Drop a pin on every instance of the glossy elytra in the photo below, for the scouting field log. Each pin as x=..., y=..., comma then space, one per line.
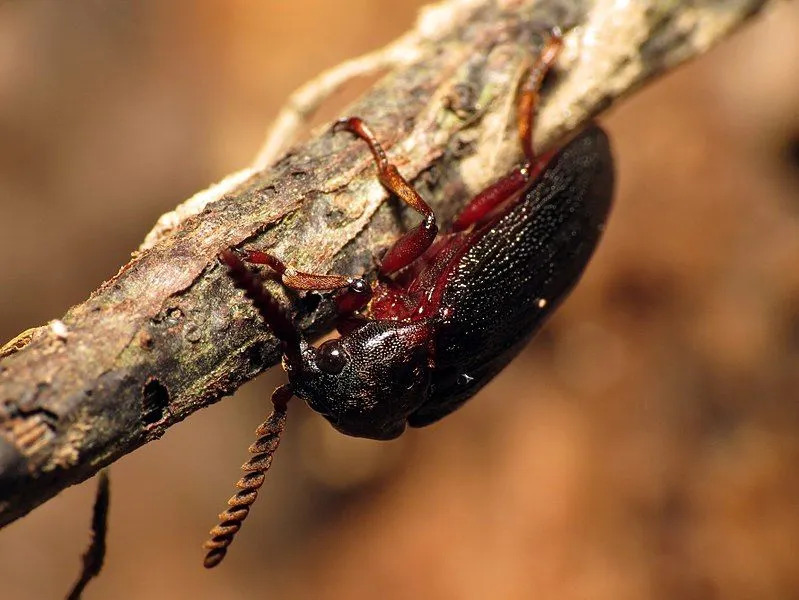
x=448, y=311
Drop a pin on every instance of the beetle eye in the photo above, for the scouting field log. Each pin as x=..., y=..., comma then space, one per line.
x=331, y=358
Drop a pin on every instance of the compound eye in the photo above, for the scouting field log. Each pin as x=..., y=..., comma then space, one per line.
x=331, y=358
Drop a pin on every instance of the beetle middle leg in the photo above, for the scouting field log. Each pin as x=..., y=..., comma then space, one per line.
x=414, y=243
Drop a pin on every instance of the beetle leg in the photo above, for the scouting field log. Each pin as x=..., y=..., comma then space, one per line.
x=268, y=307
x=491, y=197
x=297, y=280
x=355, y=291
x=505, y=188
x=528, y=101
x=413, y=244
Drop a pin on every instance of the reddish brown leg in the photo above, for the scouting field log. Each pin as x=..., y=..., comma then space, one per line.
x=528, y=101
x=494, y=195
x=505, y=188
x=413, y=244
x=355, y=291
x=272, y=312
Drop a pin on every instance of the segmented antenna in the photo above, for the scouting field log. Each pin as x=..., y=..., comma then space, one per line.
x=268, y=307
x=268, y=438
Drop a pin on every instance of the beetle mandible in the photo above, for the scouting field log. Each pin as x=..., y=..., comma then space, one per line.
x=447, y=312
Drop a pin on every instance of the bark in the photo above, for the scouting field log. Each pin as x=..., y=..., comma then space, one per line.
x=168, y=334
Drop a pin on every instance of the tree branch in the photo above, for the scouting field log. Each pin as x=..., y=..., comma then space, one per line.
x=168, y=334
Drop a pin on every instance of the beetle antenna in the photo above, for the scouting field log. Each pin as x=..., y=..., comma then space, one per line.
x=263, y=449
x=265, y=303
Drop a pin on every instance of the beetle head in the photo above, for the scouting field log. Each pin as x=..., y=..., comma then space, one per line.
x=367, y=382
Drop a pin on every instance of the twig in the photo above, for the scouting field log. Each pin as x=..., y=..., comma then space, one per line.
x=168, y=334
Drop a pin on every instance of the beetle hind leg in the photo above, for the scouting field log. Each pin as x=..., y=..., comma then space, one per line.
x=504, y=189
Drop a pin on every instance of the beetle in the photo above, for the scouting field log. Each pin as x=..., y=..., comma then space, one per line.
x=447, y=312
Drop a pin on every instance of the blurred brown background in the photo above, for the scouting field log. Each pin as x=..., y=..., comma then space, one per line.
x=643, y=446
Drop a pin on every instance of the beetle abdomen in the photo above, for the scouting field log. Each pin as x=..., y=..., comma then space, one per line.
x=521, y=266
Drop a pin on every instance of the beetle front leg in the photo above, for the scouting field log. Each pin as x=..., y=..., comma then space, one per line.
x=414, y=243
x=355, y=291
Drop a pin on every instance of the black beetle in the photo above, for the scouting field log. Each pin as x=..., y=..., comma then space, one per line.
x=447, y=312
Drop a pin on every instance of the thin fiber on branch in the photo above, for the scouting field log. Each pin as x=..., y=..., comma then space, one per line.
x=168, y=334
